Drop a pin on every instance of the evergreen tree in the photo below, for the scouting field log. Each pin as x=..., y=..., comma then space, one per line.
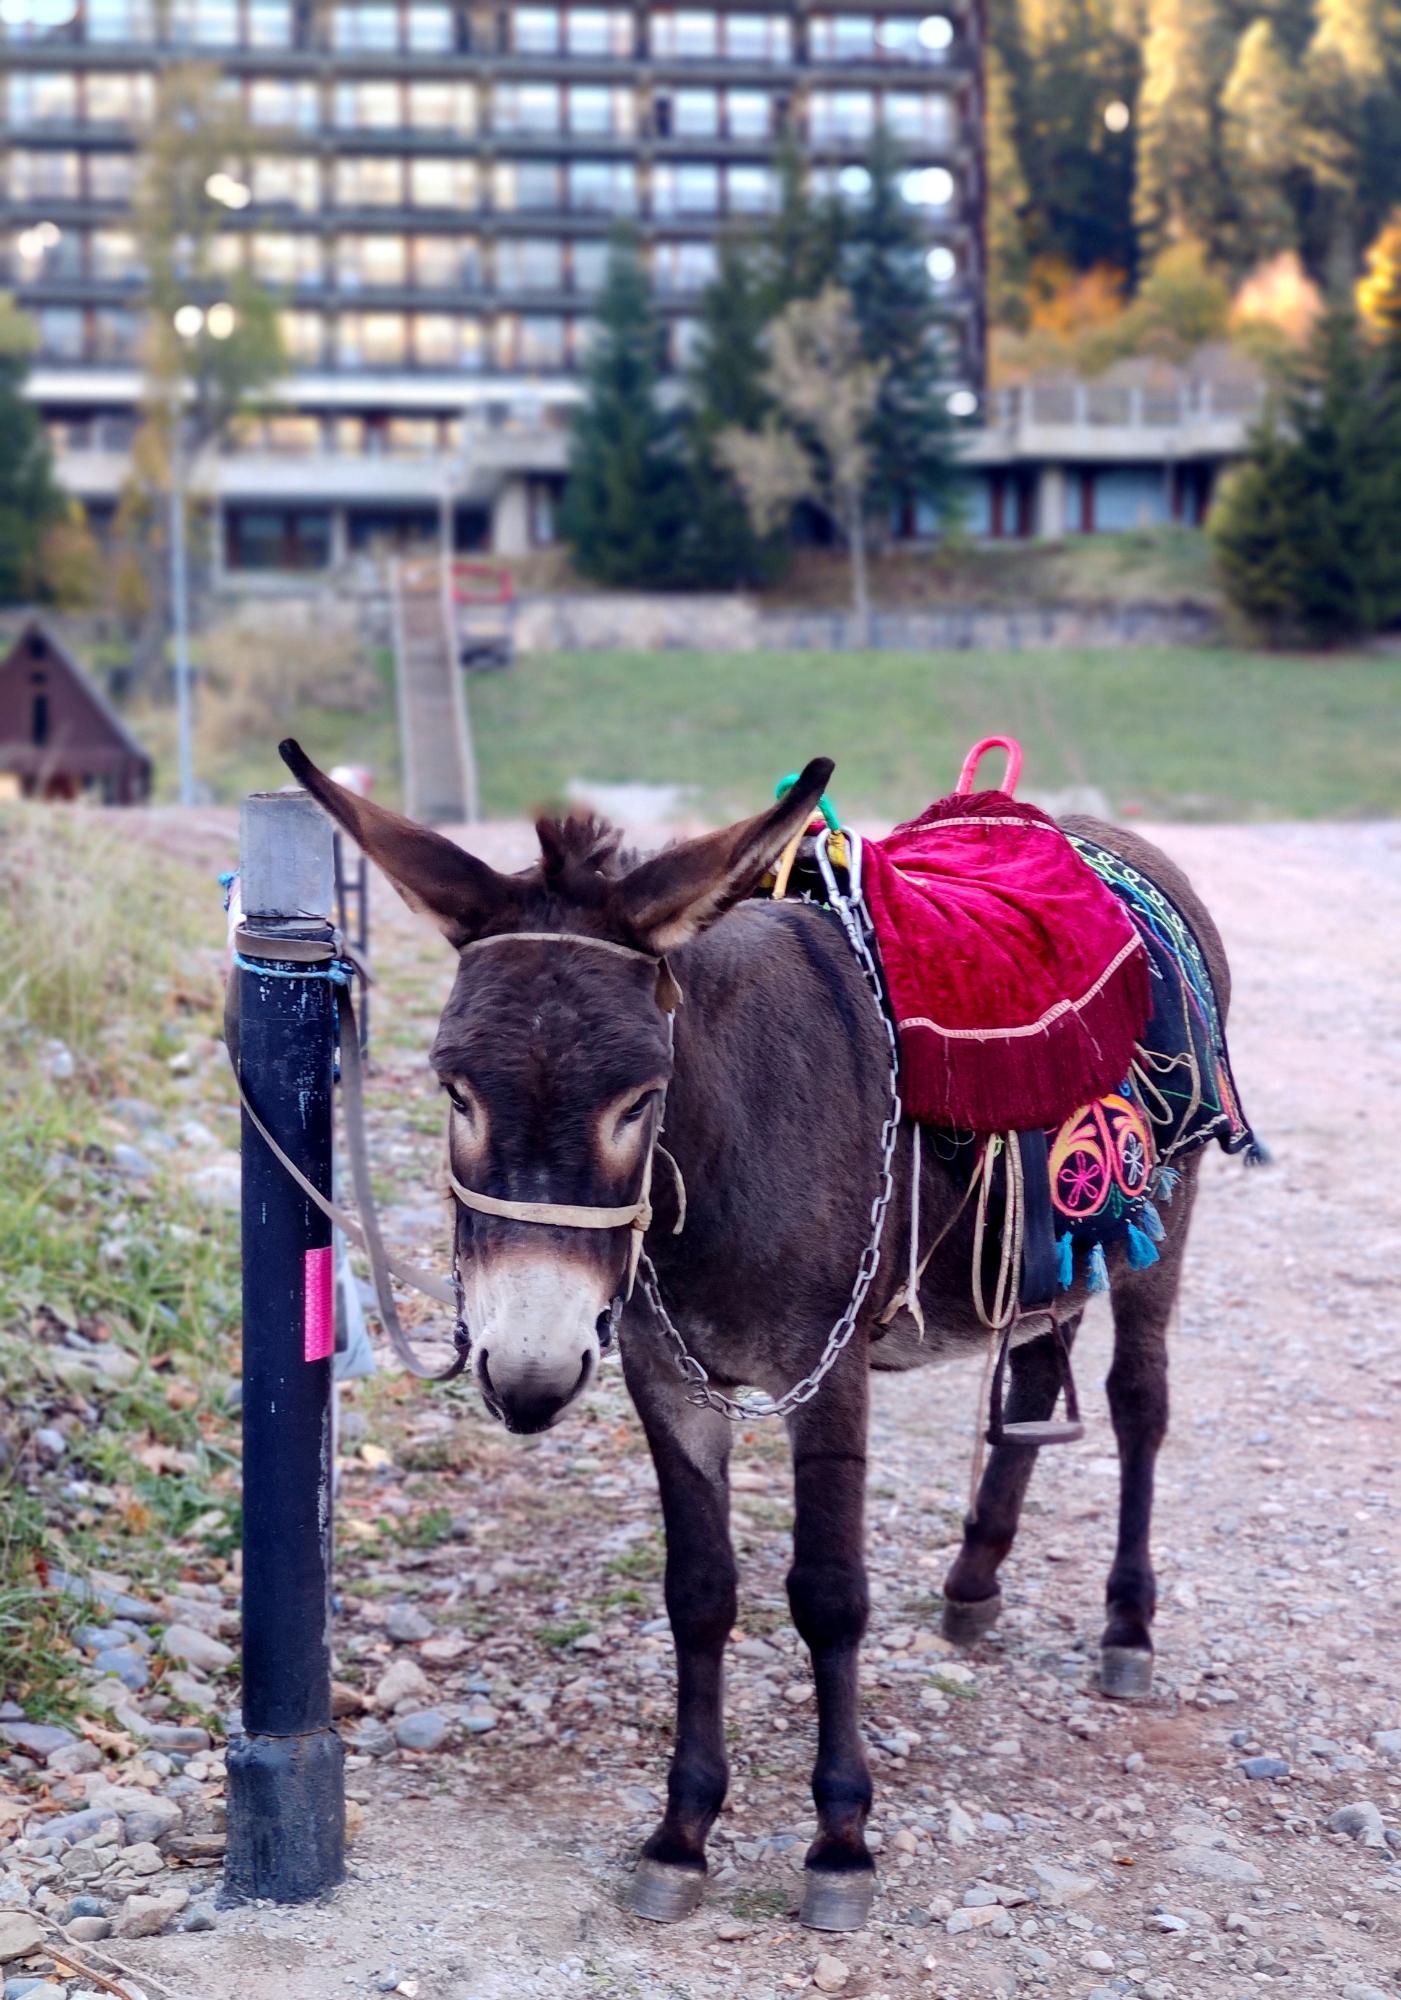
x=1260, y=114
x=1307, y=533
x=30, y=503
x=1069, y=60
x=1351, y=140
x=800, y=250
x=625, y=510
x=893, y=301
x=1008, y=202
x=725, y=387
x=1179, y=191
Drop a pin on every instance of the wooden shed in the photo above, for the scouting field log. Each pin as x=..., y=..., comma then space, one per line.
x=59, y=737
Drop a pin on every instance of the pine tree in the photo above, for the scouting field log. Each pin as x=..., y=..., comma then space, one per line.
x=724, y=387
x=1351, y=140
x=883, y=267
x=624, y=511
x=1179, y=190
x=1068, y=61
x=1008, y=202
x=30, y=503
x=1307, y=533
x=800, y=250
x=1259, y=144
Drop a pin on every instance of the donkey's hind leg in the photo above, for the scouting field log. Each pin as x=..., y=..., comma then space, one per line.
x=972, y=1599
x=691, y=1450
x=1138, y=1405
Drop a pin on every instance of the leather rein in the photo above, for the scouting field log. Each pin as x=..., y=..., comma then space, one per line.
x=320, y=960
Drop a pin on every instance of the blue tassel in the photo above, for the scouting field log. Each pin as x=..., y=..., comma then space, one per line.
x=1099, y=1270
x=1066, y=1273
x=1143, y=1251
x=1167, y=1184
x=1152, y=1222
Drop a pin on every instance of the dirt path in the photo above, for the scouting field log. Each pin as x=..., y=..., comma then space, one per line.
x=1130, y=1852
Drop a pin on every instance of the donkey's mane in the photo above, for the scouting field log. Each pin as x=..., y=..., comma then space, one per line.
x=580, y=853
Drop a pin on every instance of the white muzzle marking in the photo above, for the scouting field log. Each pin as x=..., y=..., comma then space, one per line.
x=533, y=1316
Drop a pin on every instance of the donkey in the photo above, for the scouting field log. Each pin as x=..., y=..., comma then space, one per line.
x=774, y=1077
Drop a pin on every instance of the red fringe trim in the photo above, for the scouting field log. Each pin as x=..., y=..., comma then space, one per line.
x=1014, y=1083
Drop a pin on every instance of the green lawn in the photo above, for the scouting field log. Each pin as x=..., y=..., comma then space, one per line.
x=1173, y=733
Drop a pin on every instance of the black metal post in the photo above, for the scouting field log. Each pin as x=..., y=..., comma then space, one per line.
x=286, y=1800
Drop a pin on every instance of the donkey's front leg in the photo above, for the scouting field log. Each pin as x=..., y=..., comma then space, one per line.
x=828, y=1595
x=691, y=1451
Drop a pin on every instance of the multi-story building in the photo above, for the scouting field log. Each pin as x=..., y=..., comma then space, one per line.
x=430, y=200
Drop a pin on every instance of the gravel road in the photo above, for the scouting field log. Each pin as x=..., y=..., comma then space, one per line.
x=1240, y=1831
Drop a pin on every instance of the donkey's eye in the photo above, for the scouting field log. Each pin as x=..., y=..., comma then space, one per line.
x=458, y=1101
x=639, y=1109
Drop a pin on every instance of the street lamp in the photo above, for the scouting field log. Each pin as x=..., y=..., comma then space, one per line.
x=1117, y=115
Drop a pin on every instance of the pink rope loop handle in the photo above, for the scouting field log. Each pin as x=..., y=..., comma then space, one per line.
x=975, y=757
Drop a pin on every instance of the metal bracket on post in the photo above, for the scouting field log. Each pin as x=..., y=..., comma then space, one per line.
x=286, y=1791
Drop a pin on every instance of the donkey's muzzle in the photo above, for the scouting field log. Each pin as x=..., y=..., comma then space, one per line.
x=532, y=1398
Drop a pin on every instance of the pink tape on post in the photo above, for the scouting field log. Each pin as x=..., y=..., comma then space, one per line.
x=319, y=1313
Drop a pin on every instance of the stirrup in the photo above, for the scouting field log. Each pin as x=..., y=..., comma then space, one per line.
x=1068, y=1429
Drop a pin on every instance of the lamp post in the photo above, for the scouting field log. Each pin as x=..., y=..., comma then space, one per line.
x=190, y=322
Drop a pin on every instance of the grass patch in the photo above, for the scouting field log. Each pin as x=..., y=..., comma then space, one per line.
x=753, y=1904
x=557, y=1637
x=646, y=1563
x=1175, y=733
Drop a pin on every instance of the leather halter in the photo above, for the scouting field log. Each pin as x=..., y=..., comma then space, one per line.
x=634, y=1215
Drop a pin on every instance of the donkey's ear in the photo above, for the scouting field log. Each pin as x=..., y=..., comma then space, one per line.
x=668, y=899
x=433, y=875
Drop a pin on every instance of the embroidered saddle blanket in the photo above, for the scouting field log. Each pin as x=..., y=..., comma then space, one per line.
x=1018, y=981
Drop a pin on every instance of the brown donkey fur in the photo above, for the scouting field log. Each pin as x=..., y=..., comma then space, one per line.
x=560, y=1064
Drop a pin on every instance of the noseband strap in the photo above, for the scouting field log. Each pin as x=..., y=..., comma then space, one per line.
x=558, y=1214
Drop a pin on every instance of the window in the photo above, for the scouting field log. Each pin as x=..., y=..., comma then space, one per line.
x=529, y=264
x=120, y=21
x=602, y=187
x=280, y=101
x=304, y=337
x=117, y=97
x=369, y=107
x=370, y=183
x=758, y=38
x=843, y=115
x=596, y=108
x=269, y=24
x=529, y=341
x=443, y=183
x=446, y=340
x=110, y=176
x=537, y=31
x=112, y=256
x=696, y=114
x=683, y=267
x=842, y=38
x=417, y=437
x=348, y=434
x=523, y=186
x=526, y=107
x=928, y=187
x=227, y=254
x=36, y=262
x=443, y=107
x=687, y=188
x=292, y=436
x=61, y=333
x=373, y=25
x=598, y=31
x=907, y=39
x=116, y=334
x=371, y=260
x=292, y=538
x=685, y=33
x=751, y=190
x=748, y=114
x=588, y=266
x=43, y=98
x=43, y=176
x=446, y=263
x=280, y=258
x=281, y=181
x=204, y=24
x=430, y=30
x=372, y=340
x=922, y=115
x=685, y=343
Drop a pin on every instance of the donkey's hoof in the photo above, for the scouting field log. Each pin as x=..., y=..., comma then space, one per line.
x=968, y=1619
x=837, y=1899
x=664, y=1894
x=1125, y=1672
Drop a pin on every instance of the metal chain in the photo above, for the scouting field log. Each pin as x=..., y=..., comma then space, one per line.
x=852, y=912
